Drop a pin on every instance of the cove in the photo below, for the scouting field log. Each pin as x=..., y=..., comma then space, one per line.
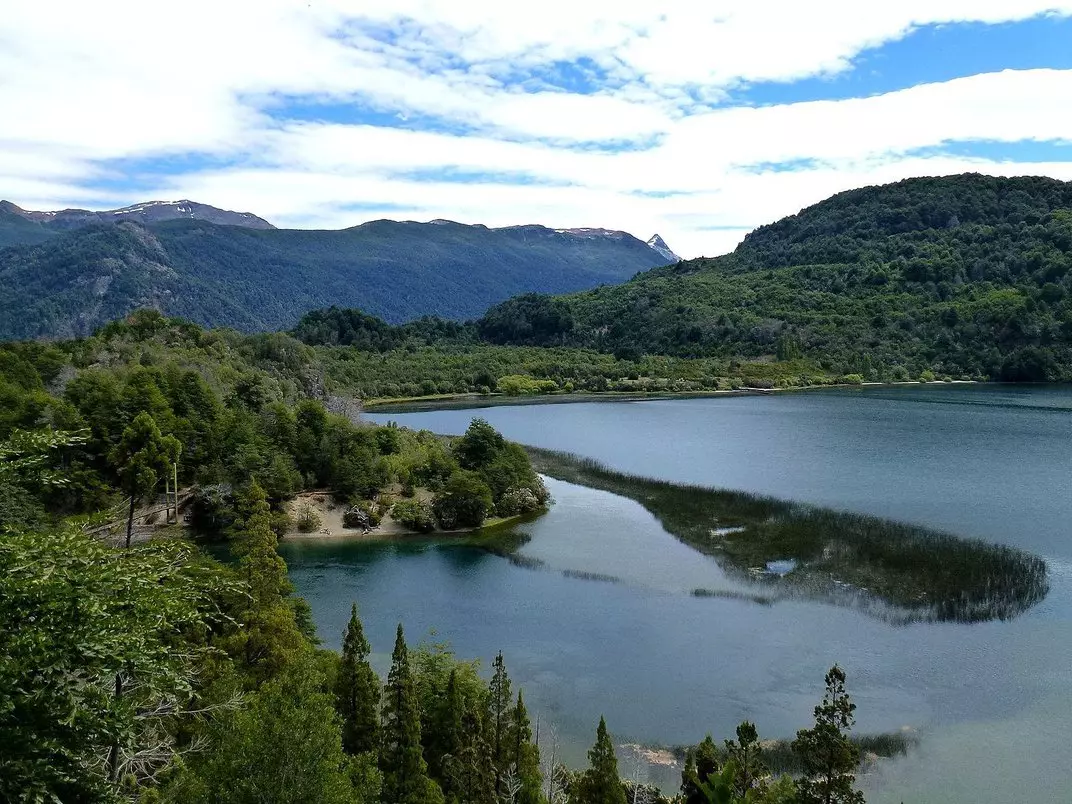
x=595, y=614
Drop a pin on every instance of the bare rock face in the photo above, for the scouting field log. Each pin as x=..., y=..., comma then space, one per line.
x=657, y=244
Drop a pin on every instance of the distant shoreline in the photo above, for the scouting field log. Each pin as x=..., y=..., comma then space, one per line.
x=417, y=404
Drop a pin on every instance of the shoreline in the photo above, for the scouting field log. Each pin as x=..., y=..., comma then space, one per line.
x=468, y=401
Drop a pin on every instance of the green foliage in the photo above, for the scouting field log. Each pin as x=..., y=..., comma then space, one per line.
x=600, y=784
x=357, y=691
x=828, y=756
x=99, y=650
x=464, y=501
x=414, y=515
x=405, y=773
x=282, y=747
x=307, y=520
x=497, y=717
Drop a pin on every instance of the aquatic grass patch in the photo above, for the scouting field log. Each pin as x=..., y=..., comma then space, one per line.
x=902, y=573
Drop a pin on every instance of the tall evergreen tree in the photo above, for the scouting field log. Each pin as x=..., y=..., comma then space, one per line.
x=142, y=457
x=405, y=774
x=498, y=719
x=271, y=639
x=745, y=756
x=701, y=763
x=469, y=770
x=443, y=739
x=600, y=784
x=357, y=691
x=525, y=755
x=828, y=757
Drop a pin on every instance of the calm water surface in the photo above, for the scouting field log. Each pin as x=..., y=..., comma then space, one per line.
x=992, y=702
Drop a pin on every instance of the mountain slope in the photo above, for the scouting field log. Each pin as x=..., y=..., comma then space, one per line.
x=256, y=279
x=965, y=275
x=147, y=212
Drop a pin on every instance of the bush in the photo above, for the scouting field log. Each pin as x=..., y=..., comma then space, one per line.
x=307, y=520
x=518, y=501
x=463, y=502
x=414, y=515
x=853, y=379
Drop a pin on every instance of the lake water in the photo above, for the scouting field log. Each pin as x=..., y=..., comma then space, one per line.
x=991, y=702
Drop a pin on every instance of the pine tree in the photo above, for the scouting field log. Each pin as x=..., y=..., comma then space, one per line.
x=444, y=745
x=601, y=784
x=828, y=757
x=143, y=456
x=357, y=691
x=469, y=770
x=405, y=774
x=744, y=754
x=525, y=755
x=700, y=763
x=271, y=639
x=498, y=720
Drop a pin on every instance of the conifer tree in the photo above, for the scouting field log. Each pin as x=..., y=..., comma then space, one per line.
x=271, y=639
x=142, y=457
x=525, y=755
x=601, y=784
x=357, y=691
x=700, y=763
x=828, y=757
x=405, y=774
x=498, y=721
x=469, y=771
x=744, y=753
x=443, y=743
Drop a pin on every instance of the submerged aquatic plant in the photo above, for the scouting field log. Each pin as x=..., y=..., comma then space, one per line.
x=902, y=573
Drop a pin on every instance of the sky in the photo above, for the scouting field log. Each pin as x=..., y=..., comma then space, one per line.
x=699, y=120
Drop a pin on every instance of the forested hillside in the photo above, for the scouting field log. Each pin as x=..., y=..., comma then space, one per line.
x=965, y=276
x=265, y=279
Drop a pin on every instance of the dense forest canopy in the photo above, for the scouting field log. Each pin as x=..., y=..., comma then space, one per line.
x=264, y=279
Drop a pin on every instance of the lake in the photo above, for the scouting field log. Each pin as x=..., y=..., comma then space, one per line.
x=991, y=702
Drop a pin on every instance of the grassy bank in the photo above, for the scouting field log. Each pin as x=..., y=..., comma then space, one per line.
x=902, y=573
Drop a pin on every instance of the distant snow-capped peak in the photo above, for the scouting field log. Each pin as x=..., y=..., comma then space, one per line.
x=656, y=243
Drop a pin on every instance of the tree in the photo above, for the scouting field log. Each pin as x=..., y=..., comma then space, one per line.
x=464, y=501
x=99, y=652
x=600, y=784
x=282, y=748
x=828, y=757
x=271, y=638
x=700, y=763
x=525, y=755
x=469, y=771
x=405, y=774
x=142, y=457
x=498, y=721
x=745, y=755
x=480, y=444
x=357, y=691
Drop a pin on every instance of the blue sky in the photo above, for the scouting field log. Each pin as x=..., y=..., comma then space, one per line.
x=697, y=121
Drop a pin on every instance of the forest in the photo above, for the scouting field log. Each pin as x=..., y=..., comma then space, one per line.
x=965, y=277
x=145, y=668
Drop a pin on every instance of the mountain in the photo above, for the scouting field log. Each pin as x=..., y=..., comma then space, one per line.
x=253, y=277
x=19, y=225
x=656, y=242
x=967, y=276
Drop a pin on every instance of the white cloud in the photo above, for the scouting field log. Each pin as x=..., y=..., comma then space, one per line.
x=132, y=80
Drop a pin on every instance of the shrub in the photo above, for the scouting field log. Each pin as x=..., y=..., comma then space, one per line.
x=307, y=520
x=414, y=515
x=517, y=501
x=853, y=379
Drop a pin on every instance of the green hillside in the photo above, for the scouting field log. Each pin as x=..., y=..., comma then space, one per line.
x=253, y=279
x=966, y=276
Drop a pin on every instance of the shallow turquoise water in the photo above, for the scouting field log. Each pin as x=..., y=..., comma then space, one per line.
x=991, y=701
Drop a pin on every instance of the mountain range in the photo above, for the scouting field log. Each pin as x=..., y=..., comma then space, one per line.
x=66, y=273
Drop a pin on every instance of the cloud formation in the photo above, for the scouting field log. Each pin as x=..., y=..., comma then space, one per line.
x=613, y=114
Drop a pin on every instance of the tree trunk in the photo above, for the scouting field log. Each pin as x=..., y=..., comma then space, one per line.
x=130, y=520
x=113, y=753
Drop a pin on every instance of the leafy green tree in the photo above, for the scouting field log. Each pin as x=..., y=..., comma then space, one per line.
x=283, y=747
x=827, y=755
x=357, y=691
x=405, y=774
x=464, y=501
x=142, y=457
x=480, y=444
x=600, y=784
x=99, y=653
